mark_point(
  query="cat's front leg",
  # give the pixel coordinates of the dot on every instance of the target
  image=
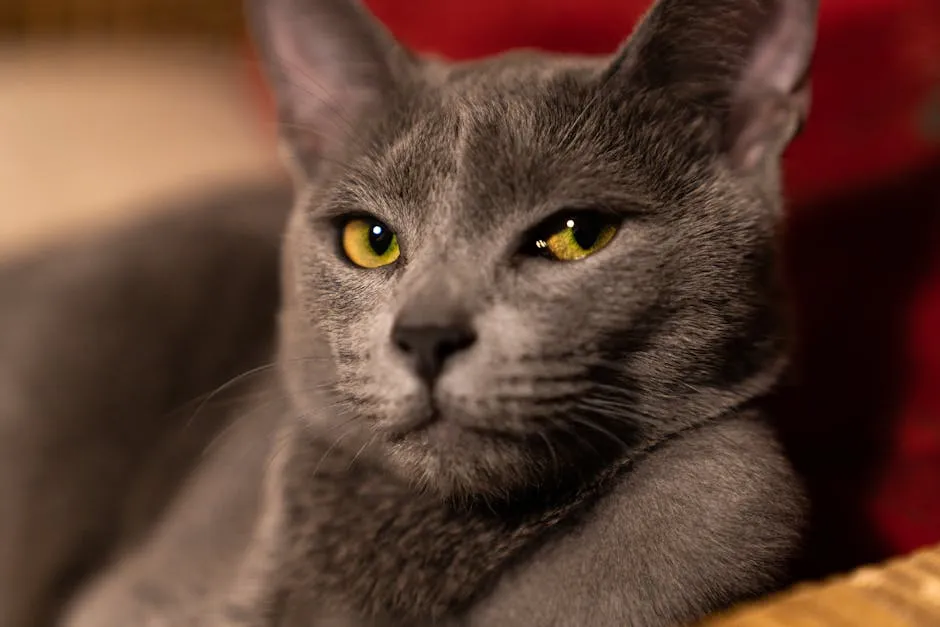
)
(707, 519)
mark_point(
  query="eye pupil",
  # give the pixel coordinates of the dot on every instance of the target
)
(585, 231)
(380, 238)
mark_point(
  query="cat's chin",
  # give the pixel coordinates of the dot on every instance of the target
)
(453, 461)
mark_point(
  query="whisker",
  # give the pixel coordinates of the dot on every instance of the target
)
(206, 398)
(563, 425)
(233, 381)
(217, 439)
(556, 465)
(367, 444)
(605, 405)
(332, 447)
(605, 432)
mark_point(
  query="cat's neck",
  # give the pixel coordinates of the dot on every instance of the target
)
(335, 521)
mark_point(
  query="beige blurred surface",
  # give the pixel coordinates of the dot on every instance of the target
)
(92, 132)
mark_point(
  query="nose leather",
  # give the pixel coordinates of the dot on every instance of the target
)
(429, 346)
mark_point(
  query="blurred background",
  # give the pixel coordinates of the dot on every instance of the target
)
(108, 106)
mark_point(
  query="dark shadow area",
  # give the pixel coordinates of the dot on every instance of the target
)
(854, 264)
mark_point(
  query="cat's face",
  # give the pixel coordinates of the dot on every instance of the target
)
(500, 272)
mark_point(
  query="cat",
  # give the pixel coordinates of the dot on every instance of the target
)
(530, 315)
(107, 345)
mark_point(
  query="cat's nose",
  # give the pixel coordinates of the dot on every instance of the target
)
(428, 347)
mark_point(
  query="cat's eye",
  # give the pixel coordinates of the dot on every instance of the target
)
(369, 243)
(574, 236)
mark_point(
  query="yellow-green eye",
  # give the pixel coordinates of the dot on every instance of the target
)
(369, 244)
(579, 236)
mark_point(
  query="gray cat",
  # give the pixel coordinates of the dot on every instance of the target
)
(107, 346)
(530, 314)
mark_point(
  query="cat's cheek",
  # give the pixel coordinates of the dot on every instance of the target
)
(506, 333)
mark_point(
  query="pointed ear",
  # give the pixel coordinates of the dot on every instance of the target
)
(745, 61)
(330, 64)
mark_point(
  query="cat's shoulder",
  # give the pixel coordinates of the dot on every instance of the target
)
(722, 496)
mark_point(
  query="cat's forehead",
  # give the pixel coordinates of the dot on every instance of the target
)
(521, 68)
(515, 93)
(507, 135)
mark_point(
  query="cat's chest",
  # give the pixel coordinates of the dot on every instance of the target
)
(378, 549)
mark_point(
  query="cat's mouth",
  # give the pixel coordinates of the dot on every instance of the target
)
(433, 425)
(419, 422)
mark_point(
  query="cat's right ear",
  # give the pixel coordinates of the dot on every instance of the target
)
(744, 63)
(330, 64)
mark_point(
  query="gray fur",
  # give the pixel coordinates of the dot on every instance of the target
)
(598, 455)
(106, 348)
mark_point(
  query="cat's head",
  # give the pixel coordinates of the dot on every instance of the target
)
(502, 271)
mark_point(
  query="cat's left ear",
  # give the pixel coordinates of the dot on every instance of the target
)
(332, 67)
(744, 62)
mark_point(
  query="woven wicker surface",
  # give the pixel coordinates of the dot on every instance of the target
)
(901, 593)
